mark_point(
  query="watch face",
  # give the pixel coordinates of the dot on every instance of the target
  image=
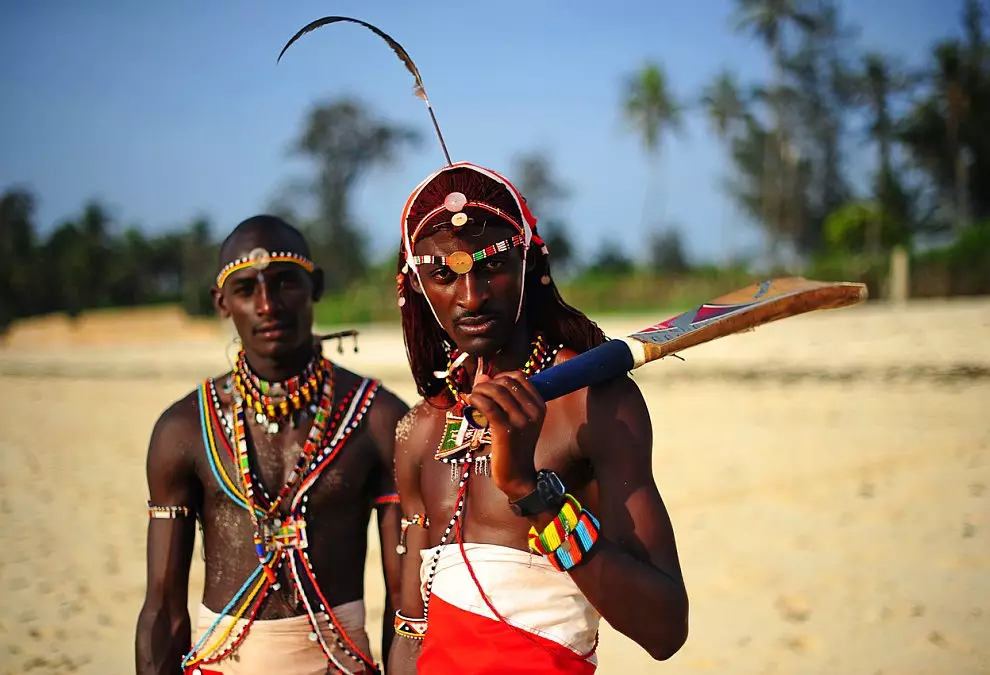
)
(546, 497)
(551, 487)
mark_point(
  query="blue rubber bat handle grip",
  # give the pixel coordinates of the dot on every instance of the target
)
(607, 360)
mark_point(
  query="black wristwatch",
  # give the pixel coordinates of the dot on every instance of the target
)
(548, 496)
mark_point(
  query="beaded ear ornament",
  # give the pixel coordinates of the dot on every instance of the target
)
(260, 259)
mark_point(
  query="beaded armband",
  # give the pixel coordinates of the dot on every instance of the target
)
(405, 524)
(568, 537)
(386, 500)
(414, 629)
(167, 512)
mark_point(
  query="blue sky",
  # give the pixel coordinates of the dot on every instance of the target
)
(174, 109)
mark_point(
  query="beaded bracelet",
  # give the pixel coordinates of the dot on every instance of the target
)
(405, 524)
(167, 512)
(414, 629)
(568, 537)
(559, 528)
(578, 543)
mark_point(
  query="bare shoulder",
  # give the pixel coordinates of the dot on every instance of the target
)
(417, 429)
(610, 413)
(174, 449)
(177, 428)
(384, 413)
(387, 409)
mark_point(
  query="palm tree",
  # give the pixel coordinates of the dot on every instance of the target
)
(726, 109)
(878, 83)
(652, 110)
(344, 141)
(767, 20)
(543, 192)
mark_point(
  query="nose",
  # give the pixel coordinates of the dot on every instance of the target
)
(473, 292)
(266, 299)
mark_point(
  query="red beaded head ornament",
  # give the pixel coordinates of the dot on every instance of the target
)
(454, 202)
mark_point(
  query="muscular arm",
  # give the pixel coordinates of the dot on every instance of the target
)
(388, 409)
(163, 626)
(633, 576)
(411, 438)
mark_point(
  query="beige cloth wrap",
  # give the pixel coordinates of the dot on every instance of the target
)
(284, 645)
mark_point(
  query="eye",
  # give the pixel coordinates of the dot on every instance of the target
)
(443, 274)
(496, 262)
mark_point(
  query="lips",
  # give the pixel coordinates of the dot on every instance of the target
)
(476, 325)
(272, 331)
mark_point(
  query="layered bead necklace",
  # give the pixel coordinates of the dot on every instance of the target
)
(275, 403)
(459, 437)
(249, 388)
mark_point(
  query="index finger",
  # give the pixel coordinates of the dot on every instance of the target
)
(527, 391)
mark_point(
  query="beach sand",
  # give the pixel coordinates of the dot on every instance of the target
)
(828, 478)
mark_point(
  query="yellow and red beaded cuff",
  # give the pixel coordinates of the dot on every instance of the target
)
(553, 534)
(414, 629)
(578, 543)
(568, 537)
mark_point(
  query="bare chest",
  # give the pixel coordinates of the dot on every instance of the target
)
(290, 470)
(485, 506)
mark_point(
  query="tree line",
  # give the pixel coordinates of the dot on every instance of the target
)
(786, 143)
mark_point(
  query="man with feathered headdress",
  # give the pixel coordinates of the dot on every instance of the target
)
(520, 536)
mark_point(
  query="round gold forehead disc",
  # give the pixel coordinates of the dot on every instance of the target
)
(460, 262)
(259, 258)
(459, 219)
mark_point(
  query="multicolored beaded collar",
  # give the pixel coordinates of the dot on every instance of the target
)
(260, 259)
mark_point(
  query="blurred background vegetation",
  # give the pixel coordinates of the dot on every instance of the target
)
(783, 141)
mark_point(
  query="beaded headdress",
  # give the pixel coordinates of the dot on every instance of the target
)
(260, 259)
(470, 187)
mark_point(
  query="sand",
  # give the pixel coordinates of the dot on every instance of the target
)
(828, 478)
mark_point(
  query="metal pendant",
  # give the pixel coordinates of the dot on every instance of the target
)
(482, 465)
(454, 473)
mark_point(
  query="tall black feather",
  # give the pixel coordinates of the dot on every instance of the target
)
(419, 90)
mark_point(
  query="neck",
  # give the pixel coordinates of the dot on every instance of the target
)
(512, 356)
(283, 366)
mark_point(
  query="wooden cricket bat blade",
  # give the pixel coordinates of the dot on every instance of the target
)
(737, 312)
(743, 311)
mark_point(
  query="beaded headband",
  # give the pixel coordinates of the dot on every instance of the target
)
(260, 259)
(461, 262)
(454, 201)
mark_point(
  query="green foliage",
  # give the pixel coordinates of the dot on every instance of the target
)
(961, 267)
(785, 140)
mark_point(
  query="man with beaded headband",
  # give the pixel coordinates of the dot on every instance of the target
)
(518, 537)
(281, 460)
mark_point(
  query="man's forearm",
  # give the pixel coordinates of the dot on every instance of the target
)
(161, 643)
(640, 601)
(388, 632)
(403, 656)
